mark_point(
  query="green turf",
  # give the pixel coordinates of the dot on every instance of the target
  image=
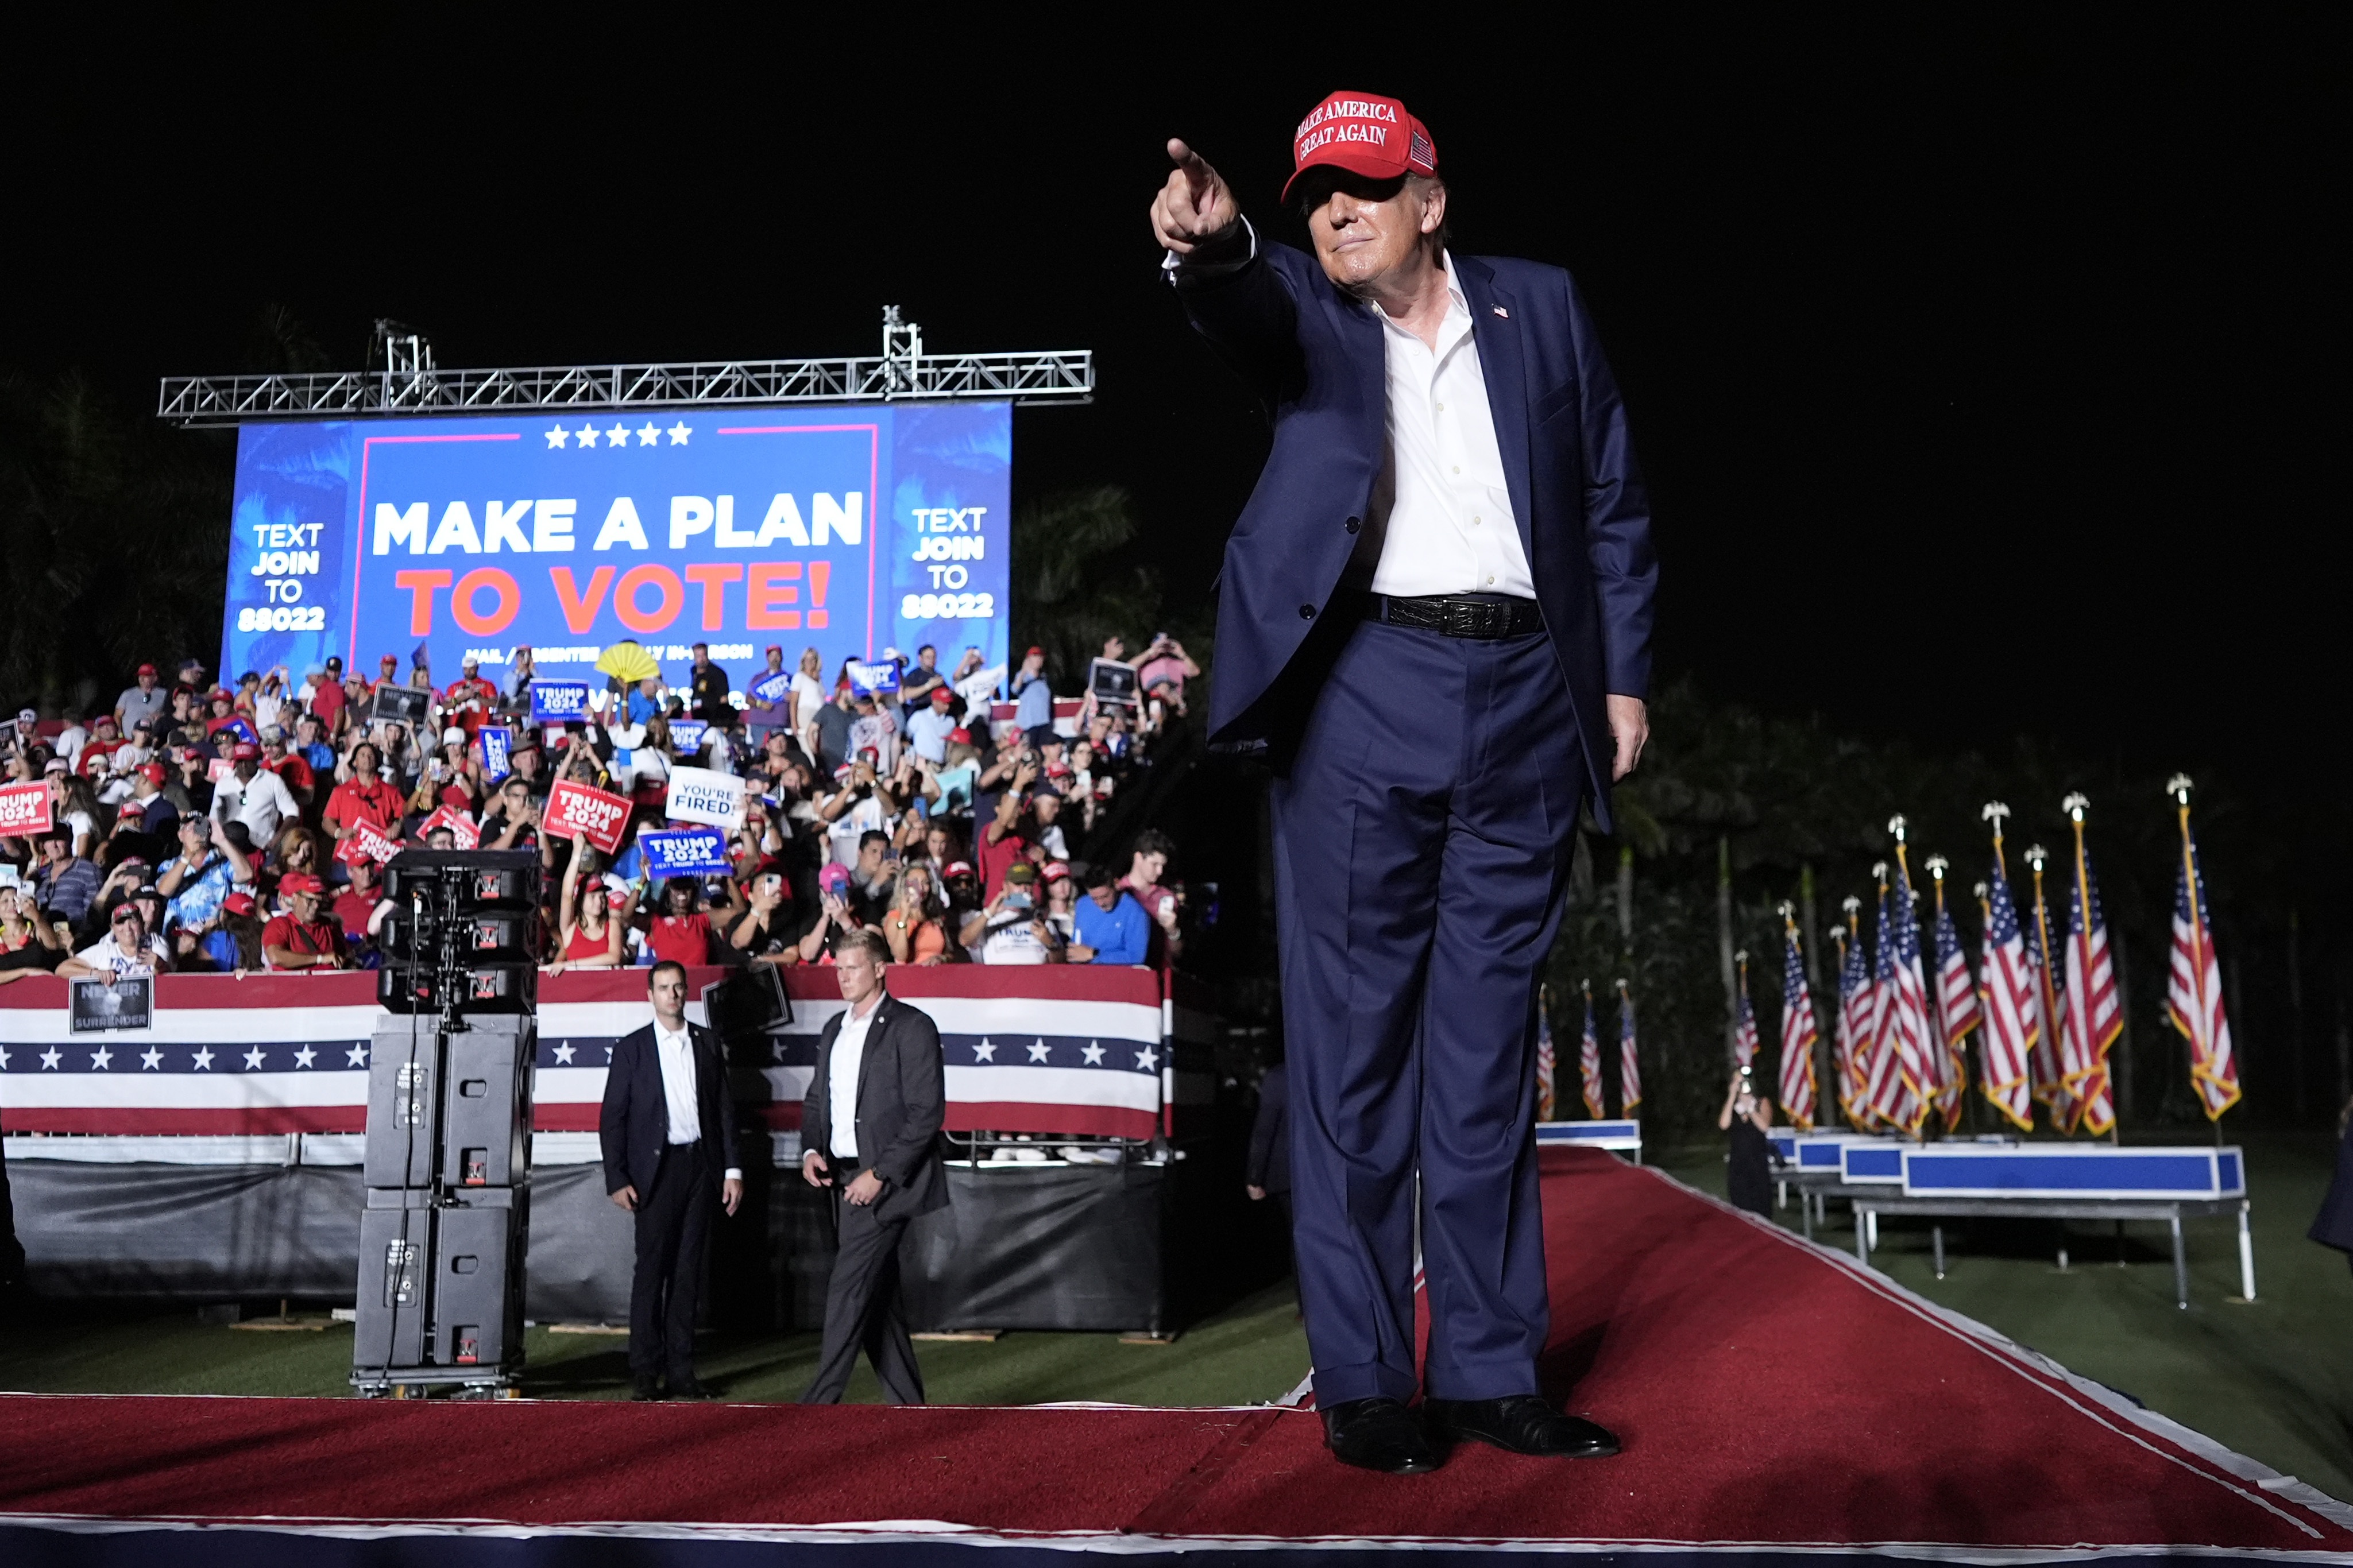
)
(2272, 1379)
(1252, 1353)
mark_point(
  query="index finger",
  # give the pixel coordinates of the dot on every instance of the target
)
(1197, 173)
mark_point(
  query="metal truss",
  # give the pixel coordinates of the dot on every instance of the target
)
(410, 385)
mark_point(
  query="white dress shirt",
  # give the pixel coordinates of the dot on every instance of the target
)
(1450, 529)
(676, 1052)
(841, 1081)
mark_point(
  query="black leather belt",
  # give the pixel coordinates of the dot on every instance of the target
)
(1484, 615)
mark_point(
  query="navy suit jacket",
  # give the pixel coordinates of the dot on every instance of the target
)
(633, 1128)
(903, 1098)
(1316, 358)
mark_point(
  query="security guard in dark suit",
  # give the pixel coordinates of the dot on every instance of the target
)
(870, 1132)
(668, 1130)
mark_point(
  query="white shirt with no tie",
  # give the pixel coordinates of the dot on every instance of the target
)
(676, 1053)
(841, 1080)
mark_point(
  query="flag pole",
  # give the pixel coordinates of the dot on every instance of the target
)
(2035, 857)
(2178, 787)
(2077, 806)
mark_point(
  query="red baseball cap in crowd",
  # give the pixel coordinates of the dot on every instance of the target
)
(956, 868)
(151, 772)
(245, 752)
(1057, 871)
(239, 903)
(144, 669)
(295, 883)
(960, 735)
(1364, 133)
(1035, 652)
(390, 661)
(942, 697)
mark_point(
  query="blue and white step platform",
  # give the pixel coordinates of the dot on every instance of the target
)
(1622, 1137)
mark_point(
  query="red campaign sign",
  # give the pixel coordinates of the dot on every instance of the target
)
(573, 807)
(24, 808)
(365, 842)
(460, 826)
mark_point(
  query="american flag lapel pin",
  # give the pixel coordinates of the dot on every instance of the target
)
(1501, 311)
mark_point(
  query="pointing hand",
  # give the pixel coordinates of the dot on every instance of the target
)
(1194, 205)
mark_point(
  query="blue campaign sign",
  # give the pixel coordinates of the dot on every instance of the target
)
(686, 735)
(843, 528)
(498, 751)
(555, 701)
(686, 852)
(770, 687)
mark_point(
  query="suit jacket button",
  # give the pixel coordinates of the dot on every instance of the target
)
(1306, 612)
(1352, 524)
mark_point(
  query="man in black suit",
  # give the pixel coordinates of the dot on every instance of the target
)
(669, 1134)
(870, 1131)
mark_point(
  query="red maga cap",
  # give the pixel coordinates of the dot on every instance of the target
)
(1364, 133)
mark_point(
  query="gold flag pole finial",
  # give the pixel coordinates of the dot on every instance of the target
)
(2178, 786)
(2075, 805)
(2035, 855)
(1895, 824)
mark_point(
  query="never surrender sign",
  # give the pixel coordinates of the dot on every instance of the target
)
(597, 816)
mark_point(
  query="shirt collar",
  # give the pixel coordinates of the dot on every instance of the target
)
(1457, 325)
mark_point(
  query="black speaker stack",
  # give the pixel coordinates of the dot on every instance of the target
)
(449, 1127)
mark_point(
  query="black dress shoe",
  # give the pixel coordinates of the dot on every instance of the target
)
(1379, 1434)
(1520, 1423)
(645, 1388)
(689, 1388)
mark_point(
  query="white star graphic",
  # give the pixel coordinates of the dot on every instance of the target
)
(253, 1059)
(151, 1060)
(557, 437)
(679, 433)
(563, 1056)
(617, 436)
(1093, 1053)
(302, 1058)
(4, 1058)
(648, 432)
(1040, 1051)
(103, 1059)
(985, 1052)
(587, 435)
(609, 1055)
(356, 1055)
(204, 1059)
(1147, 1059)
(49, 1059)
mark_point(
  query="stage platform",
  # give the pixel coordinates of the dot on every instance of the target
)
(1778, 1401)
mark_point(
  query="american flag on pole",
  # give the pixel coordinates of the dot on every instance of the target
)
(2049, 1007)
(1743, 1023)
(1629, 1071)
(1957, 1005)
(1854, 1018)
(1889, 1100)
(1907, 1022)
(1588, 1062)
(1548, 1068)
(1799, 1031)
(2095, 1011)
(2193, 991)
(2007, 992)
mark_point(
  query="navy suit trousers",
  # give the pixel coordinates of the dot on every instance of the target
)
(1423, 839)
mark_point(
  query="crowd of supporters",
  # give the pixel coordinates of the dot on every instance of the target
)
(205, 827)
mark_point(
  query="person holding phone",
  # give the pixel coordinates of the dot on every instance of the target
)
(1012, 927)
(1748, 1116)
(836, 915)
(760, 932)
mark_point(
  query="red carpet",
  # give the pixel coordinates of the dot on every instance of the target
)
(1771, 1396)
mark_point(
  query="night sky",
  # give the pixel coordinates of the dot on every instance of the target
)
(1987, 375)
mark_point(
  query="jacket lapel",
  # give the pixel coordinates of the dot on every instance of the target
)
(1506, 371)
(874, 1025)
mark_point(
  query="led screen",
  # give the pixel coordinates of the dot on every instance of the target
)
(847, 529)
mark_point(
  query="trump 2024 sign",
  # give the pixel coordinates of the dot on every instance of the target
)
(849, 530)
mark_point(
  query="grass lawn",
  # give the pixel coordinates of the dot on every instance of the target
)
(2271, 1378)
